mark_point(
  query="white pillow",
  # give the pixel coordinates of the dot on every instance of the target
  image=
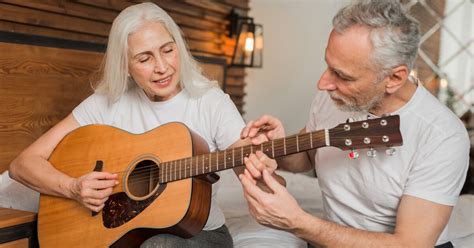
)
(17, 196)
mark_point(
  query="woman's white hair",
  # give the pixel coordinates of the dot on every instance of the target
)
(394, 34)
(115, 79)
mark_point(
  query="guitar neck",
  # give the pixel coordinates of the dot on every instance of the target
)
(234, 157)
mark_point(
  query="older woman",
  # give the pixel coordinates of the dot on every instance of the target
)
(148, 79)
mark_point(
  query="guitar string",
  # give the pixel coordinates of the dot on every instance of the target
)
(173, 170)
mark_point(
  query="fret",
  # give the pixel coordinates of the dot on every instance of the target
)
(180, 169)
(311, 139)
(242, 154)
(174, 169)
(185, 168)
(190, 167)
(228, 156)
(238, 157)
(209, 170)
(217, 159)
(305, 142)
(297, 144)
(233, 158)
(279, 148)
(203, 163)
(284, 146)
(225, 165)
(164, 172)
(291, 146)
(273, 149)
(197, 165)
(246, 151)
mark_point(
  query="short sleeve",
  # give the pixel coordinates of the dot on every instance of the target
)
(92, 110)
(311, 124)
(439, 171)
(228, 124)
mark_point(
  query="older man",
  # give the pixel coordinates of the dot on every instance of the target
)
(404, 200)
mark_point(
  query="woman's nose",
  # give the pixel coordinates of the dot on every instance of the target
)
(161, 65)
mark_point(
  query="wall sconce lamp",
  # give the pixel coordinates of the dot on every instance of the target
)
(248, 50)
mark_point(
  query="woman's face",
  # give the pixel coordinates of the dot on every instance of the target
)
(154, 61)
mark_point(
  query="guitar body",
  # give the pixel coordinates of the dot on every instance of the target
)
(132, 213)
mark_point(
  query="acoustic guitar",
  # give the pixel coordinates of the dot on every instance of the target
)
(165, 178)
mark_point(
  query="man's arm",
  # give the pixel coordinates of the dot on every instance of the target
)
(298, 162)
(419, 222)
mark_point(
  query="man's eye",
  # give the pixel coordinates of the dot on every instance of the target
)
(168, 50)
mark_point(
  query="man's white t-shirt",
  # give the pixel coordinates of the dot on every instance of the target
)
(364, 193)
(213, 116)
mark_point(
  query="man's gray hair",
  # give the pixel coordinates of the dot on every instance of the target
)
(115, 80)
(394, 34)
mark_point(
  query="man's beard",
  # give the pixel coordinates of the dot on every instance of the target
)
(348, 105)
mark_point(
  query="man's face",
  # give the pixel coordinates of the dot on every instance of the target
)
(350, 79)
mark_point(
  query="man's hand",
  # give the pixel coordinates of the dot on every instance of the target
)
(257, 162)
(263, 129)
(93, 189)
(277, 209)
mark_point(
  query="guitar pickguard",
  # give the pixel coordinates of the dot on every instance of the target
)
(119, 208)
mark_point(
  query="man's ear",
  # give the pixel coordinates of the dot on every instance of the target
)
(397, 78)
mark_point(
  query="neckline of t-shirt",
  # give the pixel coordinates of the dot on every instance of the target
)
(160, 104)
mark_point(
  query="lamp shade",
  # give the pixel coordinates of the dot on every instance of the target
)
(248, 50)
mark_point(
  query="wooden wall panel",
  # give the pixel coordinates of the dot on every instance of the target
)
(39, 86)
(203, 22)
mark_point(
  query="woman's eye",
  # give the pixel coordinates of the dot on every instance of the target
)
(143, 60)
(168, 50)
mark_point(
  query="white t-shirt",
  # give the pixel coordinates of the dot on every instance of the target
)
(364, 193)
(213, 116)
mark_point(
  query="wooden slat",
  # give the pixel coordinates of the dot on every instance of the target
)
(204, 47)
(191, 10)
(39, 86)
(244, 5)
(50, 32)
(47, 19)
(69, 8)
(214, 6)
(21, 243)
(13, 217)
(201, 35)
(107, 4)
(188, 21)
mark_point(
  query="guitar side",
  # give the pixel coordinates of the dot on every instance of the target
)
(181, 208)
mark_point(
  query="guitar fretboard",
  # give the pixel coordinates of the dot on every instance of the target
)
(234, 157)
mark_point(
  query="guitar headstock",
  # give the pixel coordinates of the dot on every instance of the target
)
(380, 132)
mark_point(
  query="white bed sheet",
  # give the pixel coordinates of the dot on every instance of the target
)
(245, 231)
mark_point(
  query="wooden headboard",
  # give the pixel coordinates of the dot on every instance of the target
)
(40, 85)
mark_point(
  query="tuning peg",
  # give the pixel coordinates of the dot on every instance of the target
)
(349, 120)
(372, 153)
(353, 154)
(390, 151)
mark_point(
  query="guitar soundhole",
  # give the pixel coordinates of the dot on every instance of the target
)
(143, 180)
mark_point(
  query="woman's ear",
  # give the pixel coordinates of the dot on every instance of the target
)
(397, 78)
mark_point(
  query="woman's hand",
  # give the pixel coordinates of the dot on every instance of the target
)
(93, 189)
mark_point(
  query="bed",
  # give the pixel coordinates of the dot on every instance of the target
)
(245, 231)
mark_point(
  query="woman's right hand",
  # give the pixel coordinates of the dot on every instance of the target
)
(93, 189)
(263, 129)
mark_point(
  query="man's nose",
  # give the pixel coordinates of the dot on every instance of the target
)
(326, 82)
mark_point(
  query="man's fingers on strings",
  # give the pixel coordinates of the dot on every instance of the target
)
(271, 182)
